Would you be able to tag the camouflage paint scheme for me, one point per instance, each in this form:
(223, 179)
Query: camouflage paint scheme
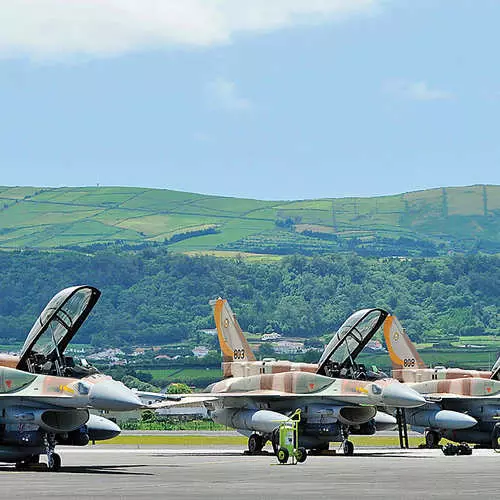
(41, 405)
(270, 391)
(408, 366)
(238, 360)
(471, 393)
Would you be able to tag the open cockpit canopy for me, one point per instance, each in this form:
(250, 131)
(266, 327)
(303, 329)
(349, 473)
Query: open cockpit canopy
(495, 371)
(339, 357)
(55, 327)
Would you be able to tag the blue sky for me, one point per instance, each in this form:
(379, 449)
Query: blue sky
(271, 99)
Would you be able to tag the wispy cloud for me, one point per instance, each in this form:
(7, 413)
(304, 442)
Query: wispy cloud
(416, 91)
(222, 94)
(61, 28)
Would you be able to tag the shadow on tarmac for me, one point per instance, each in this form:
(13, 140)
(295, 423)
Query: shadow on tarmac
(84, 469)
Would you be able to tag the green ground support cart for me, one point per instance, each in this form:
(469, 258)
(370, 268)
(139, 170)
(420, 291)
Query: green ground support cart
(289, 441)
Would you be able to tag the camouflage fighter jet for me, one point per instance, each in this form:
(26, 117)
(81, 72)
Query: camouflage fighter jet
(45, 396)
(464, 404)
(238, 359)
(331, 405)
(37, 411)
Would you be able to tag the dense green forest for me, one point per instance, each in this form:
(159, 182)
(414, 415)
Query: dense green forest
(155, 297)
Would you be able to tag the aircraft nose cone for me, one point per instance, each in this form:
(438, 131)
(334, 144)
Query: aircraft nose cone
(100, 428)
(113, 395)
(401, 396)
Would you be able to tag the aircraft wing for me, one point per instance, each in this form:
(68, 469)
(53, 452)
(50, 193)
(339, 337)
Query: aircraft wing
(150, 398)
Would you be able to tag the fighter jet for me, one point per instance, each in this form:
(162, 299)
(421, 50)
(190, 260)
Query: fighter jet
(331, 403)
(238, 360)
(464, 404)
(45, 396)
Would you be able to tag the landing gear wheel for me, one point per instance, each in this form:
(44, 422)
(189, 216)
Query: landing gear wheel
(275, 441)
(432, 439)
(22, 465)
(283, 455)
(54, 462)
(255, 444)
(348, 448)
(495, 435)
(301, 455)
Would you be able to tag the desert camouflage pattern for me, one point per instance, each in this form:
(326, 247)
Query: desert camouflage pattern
(470, 387)
(407, 364)
(305, 384)
(9, 360)
(249, 368)
(61, 391)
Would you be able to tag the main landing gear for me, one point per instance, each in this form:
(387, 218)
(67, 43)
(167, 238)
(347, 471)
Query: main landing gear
(432, 439)
(255, 444)
(347, 446)
(53, 459)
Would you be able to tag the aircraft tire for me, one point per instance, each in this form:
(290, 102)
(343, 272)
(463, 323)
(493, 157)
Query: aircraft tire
(495, 435)
(301, 455)
(275, 440)
(283, 455)
(348, 448)
(432, 439)
(255, 444)
(54, 463)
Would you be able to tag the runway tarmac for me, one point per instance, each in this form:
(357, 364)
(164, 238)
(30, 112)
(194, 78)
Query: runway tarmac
(131, 473)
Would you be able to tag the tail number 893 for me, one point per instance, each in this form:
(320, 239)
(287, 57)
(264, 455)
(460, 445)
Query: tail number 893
(239, 354)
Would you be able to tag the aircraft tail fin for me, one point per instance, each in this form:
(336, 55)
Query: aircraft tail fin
(233, 343)
(401, 349)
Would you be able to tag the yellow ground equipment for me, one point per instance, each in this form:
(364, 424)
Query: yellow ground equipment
(289, 441)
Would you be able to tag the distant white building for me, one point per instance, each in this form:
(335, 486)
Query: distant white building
(200, 351)
(106, 355)
(270, 336)
(288, 347)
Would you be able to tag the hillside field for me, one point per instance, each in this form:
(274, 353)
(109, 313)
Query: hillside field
(424, 222)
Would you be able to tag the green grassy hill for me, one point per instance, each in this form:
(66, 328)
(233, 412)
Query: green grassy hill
(429, 222)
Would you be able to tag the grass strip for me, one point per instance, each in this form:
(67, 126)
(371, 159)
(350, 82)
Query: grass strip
(196, 440)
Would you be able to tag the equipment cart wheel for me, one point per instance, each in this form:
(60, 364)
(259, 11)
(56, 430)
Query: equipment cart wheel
(301, 455)
(348, 448)
(283, 455)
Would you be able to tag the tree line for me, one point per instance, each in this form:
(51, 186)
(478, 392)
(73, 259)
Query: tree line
(152, 297)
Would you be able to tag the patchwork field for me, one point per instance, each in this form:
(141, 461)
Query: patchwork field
(444, 218)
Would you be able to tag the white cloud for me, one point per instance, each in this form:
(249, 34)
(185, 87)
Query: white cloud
(61, 28)
(222, 94)
(417, 91)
